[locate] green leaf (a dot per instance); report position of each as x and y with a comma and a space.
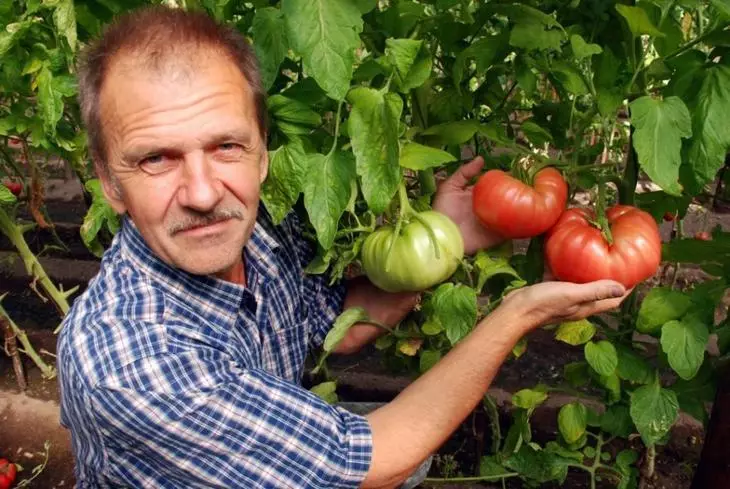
484, 51
572, 420
653, 410
525, 14
326, 391
617, 421
431, 327
285, 109
684, 343
536, 134
326, 34
722, 6
538, 465
419, 73
601, 357
577, 373
416, 156
660, 125
50, 102
536, 38
401, 54
660, 305
520, 347
348, 318
64, 16
711, 133
638, 21
6, 196
456, 132
270, 42
99, 214
569, 76
428, 359
575, 332
327, 192
373, 125
285, 181
11, 33
626, 458
489, 267
632, 367
455, 307
582, 49
529, 398
489, 467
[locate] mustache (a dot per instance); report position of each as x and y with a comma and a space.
204, 219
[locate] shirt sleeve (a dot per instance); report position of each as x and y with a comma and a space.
325, 301
218, 425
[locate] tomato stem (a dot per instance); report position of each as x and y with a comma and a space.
601, 213
431, 234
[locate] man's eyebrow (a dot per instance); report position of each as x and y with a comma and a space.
243, 137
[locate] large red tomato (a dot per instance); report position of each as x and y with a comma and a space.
515, 209
576, 251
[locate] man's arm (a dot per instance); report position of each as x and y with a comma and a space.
422, 417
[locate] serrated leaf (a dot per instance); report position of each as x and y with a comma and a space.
638, 21
64, 16
416, 156
99, 214
711, 135
10, 34
575, 332
286, 109
684, 343
660, 305
285, 181
455, 307
50, 102
373, 126
660, 126
326, 34
653, 410
538, 465
489, 267
327, 191
572, 421
601, 357
529, 398
489, 467
582, 49
270, 42
348, 318
419, 73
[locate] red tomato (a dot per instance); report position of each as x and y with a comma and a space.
15, 188
703, 236
576, 251
7, 473
516, 210
669, 216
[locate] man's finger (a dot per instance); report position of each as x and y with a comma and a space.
466, 172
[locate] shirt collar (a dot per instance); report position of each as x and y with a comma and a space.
261, 260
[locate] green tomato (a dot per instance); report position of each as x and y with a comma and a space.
413, 265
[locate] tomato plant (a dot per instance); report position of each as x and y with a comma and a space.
578, 251
517, 210
604, 91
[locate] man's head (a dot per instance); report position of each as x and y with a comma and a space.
176, 117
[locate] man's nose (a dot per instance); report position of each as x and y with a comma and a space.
200, 190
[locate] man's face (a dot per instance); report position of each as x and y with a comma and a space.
188, 159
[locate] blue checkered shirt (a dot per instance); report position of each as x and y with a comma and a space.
170, 380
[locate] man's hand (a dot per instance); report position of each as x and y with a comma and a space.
454, 199
554, 302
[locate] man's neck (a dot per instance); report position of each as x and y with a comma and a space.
236, 274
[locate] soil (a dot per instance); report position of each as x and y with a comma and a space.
30, 419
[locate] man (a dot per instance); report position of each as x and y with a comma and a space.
179, 365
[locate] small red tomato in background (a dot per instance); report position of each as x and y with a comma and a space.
577, 251
703, 236
669, 216
14, 187
7, 473
516, 210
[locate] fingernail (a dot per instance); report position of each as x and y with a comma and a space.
617, 291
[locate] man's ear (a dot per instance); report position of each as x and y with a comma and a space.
111, 189
264, 166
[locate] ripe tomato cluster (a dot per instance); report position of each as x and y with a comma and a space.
7, 473
576, 250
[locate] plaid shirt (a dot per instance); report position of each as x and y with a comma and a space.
175, 380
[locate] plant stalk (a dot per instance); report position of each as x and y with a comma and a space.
48, 371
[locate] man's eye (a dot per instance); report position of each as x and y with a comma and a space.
156, 164
152, 159
229, 147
